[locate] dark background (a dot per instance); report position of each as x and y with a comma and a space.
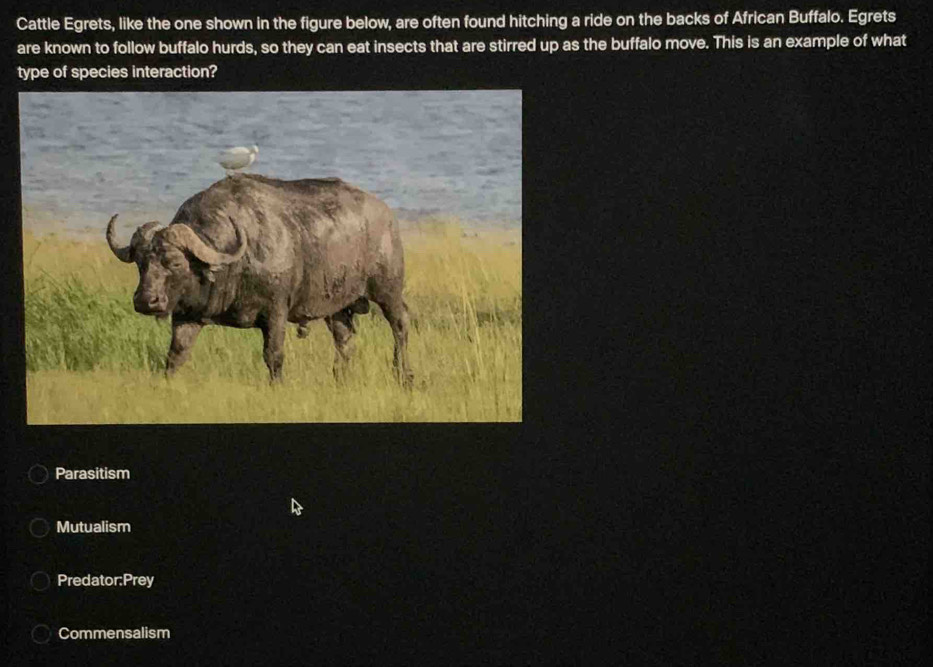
724, 456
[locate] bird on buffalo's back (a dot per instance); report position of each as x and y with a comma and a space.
234, 159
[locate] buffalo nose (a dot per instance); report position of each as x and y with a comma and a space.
149, 303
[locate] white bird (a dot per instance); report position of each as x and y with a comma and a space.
237, 158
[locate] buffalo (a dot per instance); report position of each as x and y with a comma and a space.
251, 251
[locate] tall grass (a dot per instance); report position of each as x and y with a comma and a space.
91, 359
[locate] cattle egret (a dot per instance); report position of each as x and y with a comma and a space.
237, 158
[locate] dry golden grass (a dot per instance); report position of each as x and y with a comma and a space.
91, 359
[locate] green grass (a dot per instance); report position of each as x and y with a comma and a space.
91, 359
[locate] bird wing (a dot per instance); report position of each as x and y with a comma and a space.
239, 151
234, 158
237, 158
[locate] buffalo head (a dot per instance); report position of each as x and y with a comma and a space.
173, 262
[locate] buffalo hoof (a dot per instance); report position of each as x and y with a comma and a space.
303, 330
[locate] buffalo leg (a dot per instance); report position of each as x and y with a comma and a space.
273, 342
341, 328
183, 336
396, 313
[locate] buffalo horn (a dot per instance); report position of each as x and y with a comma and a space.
124, 254
184, 237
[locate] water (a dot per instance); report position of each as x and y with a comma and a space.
86, 156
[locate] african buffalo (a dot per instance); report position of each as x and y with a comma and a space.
251, 251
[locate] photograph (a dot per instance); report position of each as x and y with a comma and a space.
269, 257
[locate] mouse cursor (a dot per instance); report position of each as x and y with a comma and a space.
296, 507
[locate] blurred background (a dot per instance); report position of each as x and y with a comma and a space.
86, 156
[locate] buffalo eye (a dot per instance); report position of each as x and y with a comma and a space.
175, 265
